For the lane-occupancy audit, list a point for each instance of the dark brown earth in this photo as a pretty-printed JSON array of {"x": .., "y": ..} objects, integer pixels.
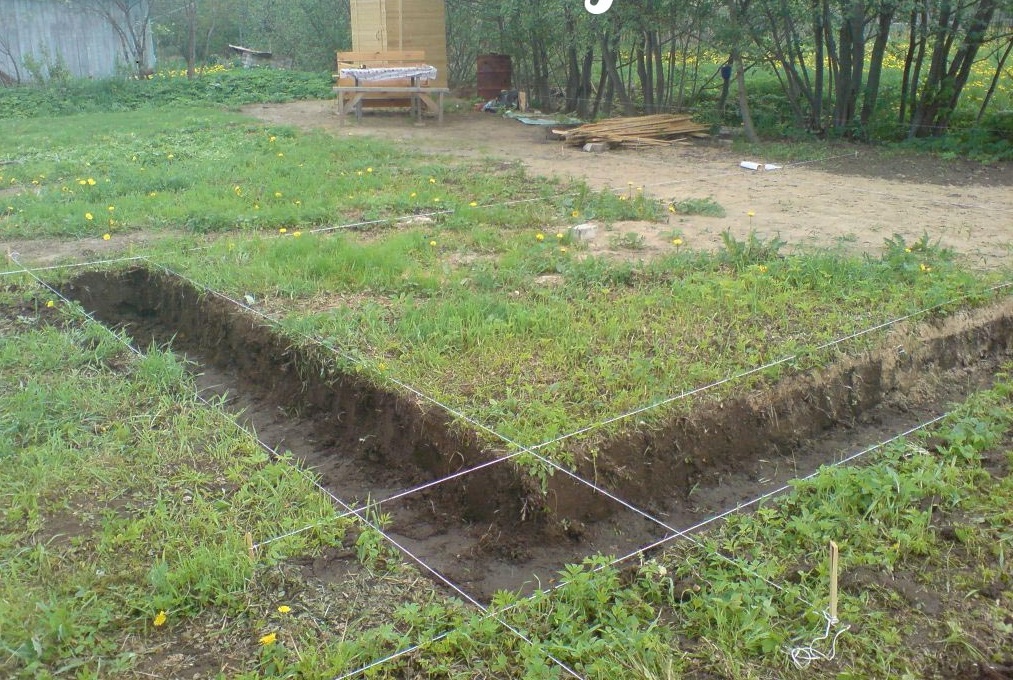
[{"x": 494, "y": 529}]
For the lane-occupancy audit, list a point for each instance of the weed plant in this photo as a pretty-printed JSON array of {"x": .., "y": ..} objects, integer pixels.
[{"x": 220, "y": 88}]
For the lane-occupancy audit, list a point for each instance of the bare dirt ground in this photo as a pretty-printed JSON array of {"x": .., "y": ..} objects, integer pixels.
[{"x": 855, "y": 197}]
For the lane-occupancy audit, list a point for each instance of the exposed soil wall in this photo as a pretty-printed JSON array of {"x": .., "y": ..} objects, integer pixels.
[{"x": 494, "y": 529}]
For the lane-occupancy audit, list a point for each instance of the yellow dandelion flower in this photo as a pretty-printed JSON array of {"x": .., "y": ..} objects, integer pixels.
[
  {"x": 283, "y": 230},
  {"x": 106, "y": 236},
  {"x": 750, "y": 214},
  {"x": 277, "y": 194},
  {"x": 562, "y": 249},
  {"x": 160, "y": 619},
  {"x": 671, "y": 208},
  {"x": 90, "y": 181},
  {"x": 50, "y": 304},
  {"x": 89, "y": 217},
  {"x": 432, "y": 243},
  {"x": 907, "y": 250},
  {"x": 297, "y": 202},
  {"x": 297, "y": 234},
  {"x": 925, "y": 267},
  {"x": 153, "y": 193},
  {"x": 281, "y": 155},
  {"x": 269, "y": 639},
  {"x": 575, "y": 213},
  {"x": 622, "y": 198},
  {"x": 432, "y": 180},
  {"x": 413, "y": 195},
  {"x": 473, "y": 204},
  {"x": 272, "y": 138},
  {"x": 676, "y": 241},
  {"x": 256, "y": 206},
  {"x": 762, "y": 268},
  {"x": 359, "y": 173},
  {"x": 238, "y": 189},
  {"x": 285, "y": 609},
  {"x": 171, "y": 156},
  {"x": 436, "y": 200},
  {"x": 112, "y": 208},
  {"x": 134, "y": 157},
  {"x": 559, "y": 234},
  {"x": 539, "y": 236},
  {"x": 369, "y": 169}
]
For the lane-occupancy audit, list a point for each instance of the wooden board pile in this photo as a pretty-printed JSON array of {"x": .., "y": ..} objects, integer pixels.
[{"x": 656, "y": 130}]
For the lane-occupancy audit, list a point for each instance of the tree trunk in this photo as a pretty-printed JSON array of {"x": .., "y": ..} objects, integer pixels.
[
  {"x": 876, "y": 64},
  {"x": 740, "y": 80},
  {"x": 995, "y": 80}
]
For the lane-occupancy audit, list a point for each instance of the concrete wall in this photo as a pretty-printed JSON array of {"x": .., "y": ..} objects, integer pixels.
[{"x": 51, "y": 32}]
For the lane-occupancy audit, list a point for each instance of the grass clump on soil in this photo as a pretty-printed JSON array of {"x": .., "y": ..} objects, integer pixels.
[
  {"x": 535, "y": 339},
  {"x": 126, "y": 499},
  {"x": 924, "y": 531}
]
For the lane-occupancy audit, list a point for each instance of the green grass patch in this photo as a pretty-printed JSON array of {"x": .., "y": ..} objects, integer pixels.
[
  {"x": 216, "y": 87},
  {"x": 535, "y": 338}
]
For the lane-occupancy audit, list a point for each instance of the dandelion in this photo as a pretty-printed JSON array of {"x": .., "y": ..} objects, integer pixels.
[
  {"x": 256, "y": 206},
  {"x": 112, "y": 208},
  {"x": 359, "y": 173},
  {"x": 559, "y": 235},
  {"x": 160, "y": 619},
  {"x": 762, "y": 268},
  {"x": 562, "y": 249},
  {"x": 171, "y": 156},
  {"x": 925, "y": 267},
  {"x": 277, "y": 194},
  {"x": 269, "y": 639},
  {"x": 88, "y": 216},
  {"x": 106, "y": 236},
  {"x": 369, "y": 169},
  {"x": 134, "y": 157},
  {"x": 432, "y": 244},
  {"x": 413, "y": 195},
  {"x": 296, "y": 234},
  {"x": 671, "y": 208},
  {"x": 473, "y": 204},
  {"x": 285, "y": 609},
  {"x": 50, "y": 304},
  {"x": 622, "y": 198},
  {"x": 238, "y": 190},
  {"x": 907, "y": 250},
  {"x": 575, "y": 213},
  {"x": 750, "y": 214},
  {"x": 281, "y": 155},
  {"x": 283, "y": 230},
  {"x": 436, "y": 200},
  {"x": 90, "y": 181},
  {"x": 539, "y": 236},
  {"x": 432, "y": 180},
  {"x": 677, "y": 241},
  {"x": 152, "y": 193},
  {"x": 112, "y": 222},
  {"x": 297, "y": 202},
  {"x": 272, "y": 139},
  {"x": 381, "y": 367}
]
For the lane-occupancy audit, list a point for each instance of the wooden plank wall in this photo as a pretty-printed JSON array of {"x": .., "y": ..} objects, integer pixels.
[
  {"x": 380, "y": 25},
  {"x": 44, "y": 29}
]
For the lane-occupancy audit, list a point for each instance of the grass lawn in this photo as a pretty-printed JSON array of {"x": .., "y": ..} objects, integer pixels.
[{"x": 127, "y": 499}]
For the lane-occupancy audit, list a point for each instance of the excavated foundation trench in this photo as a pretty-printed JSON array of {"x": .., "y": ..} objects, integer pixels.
[{"x": 494, "y": 529}]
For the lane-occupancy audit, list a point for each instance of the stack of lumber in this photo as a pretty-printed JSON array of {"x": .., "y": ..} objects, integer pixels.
[{"x": 653, "y": 130}]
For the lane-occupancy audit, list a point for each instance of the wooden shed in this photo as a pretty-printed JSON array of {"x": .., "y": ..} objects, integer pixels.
[{"x": 382, "y": 25}]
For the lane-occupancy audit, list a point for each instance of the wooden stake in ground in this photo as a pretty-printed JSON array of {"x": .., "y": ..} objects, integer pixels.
[
  {"x": 833, "y": 582},
  {"x": 249, "y": 546}
]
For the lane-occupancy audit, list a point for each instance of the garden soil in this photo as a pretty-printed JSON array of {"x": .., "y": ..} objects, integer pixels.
[{"x": 855, "y": 197}]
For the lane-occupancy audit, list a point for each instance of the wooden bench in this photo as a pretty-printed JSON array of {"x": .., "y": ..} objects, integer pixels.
[{"x": 415, "y": 92}]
